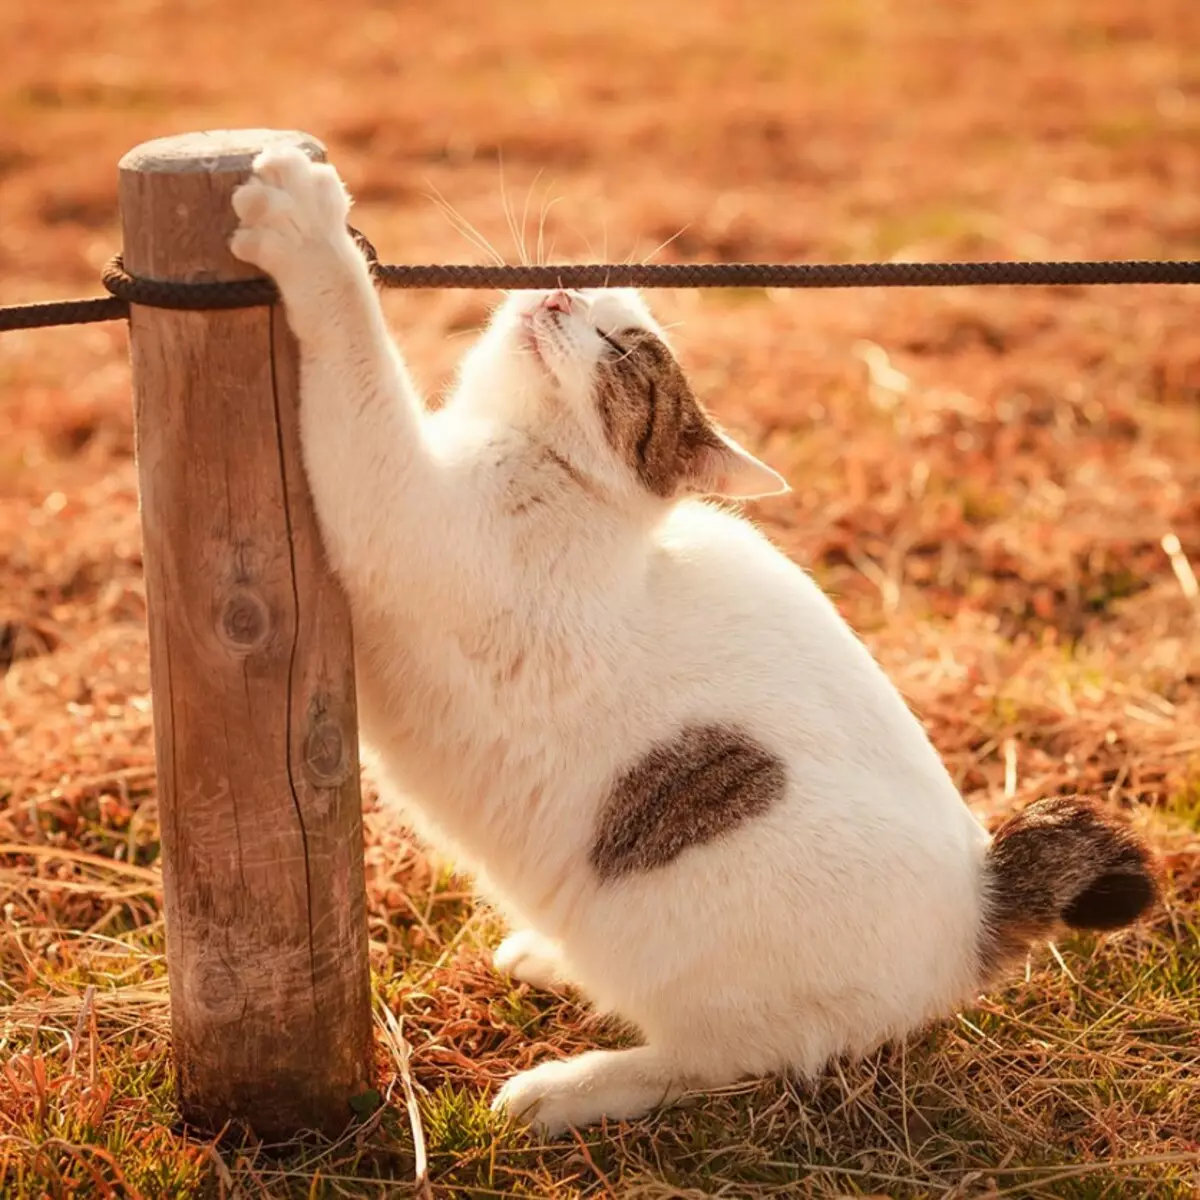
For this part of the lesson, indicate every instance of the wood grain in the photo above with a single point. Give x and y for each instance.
(253, 682)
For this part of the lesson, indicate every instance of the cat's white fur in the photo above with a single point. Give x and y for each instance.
(521, 640)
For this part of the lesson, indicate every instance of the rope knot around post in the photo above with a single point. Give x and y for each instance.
(198, 296)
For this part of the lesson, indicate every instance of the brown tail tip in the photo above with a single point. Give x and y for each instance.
(1062, 861)
(1118, 897)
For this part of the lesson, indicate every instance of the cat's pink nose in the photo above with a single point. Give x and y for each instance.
(557, 302)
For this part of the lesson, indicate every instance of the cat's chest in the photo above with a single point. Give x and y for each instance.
(441, 695)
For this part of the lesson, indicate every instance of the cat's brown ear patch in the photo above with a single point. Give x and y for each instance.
(654, 421)
(704, 783)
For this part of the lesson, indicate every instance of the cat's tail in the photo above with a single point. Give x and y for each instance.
(1060, 862)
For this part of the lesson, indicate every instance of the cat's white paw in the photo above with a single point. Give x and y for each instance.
(530, 958)
(544, 1099)
(291, 212)
(617, 1084)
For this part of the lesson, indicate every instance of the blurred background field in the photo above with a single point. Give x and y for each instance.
(1000, 488)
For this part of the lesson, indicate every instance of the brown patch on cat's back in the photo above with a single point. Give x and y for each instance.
(702, 784)
(651, 416)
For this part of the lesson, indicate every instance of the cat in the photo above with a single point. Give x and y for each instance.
(650, 736)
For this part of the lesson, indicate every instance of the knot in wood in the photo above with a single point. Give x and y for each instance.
(216, 989)
(326, 761)
(244, 625)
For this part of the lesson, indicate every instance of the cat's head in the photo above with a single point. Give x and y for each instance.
(594, 366)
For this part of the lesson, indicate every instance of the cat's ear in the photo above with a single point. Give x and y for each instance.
(720, 467)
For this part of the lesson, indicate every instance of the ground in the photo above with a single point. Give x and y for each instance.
(1001, 489)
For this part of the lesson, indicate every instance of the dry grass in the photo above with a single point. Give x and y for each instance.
(1001, 489)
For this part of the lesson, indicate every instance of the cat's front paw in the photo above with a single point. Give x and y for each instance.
(291, 213)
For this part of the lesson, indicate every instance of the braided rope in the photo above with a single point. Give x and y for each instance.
(157, 293)
(62, 312)
(788, 275)
(125, 289)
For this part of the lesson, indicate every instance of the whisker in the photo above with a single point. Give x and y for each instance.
(541, 241)
(583, 237)
(663, 245)
(625, 353)
(458, 220)
(509, 216)
(525, 213)
(468, 332)
(463, 226)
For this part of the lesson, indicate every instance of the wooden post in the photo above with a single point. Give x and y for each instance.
(253, 678)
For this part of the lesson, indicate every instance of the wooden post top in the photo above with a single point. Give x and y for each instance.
(176, 201)
(215, 150)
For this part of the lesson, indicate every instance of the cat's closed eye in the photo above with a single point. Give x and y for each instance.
(612, 341)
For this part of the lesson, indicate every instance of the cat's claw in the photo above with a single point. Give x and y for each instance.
(291, 211)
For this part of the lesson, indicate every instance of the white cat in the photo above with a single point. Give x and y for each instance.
(664, 755)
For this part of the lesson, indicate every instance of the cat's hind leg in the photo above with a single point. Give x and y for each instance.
(530, 958)
(617, 1084)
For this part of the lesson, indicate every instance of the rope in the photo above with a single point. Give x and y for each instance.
(788, 275)
(125, 289)
(157, 293)
(62, 312)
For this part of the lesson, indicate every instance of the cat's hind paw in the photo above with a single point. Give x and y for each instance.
(617, 1084)
(530, 958)
(290, 211)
